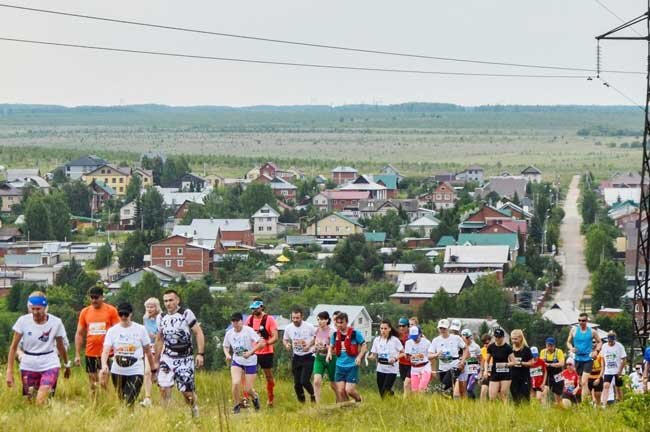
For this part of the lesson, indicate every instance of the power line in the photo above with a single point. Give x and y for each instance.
(309, 44)
(283, 63)
(609, 85)
(604, 6)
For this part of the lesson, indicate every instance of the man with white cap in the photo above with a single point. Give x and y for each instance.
(448, 353)
(614, 357)
(265, 326)
(416, 350)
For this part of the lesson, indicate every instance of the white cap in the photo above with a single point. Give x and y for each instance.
(455, 325)
(443, 323)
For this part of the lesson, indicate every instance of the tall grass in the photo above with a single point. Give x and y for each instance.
(73, 410)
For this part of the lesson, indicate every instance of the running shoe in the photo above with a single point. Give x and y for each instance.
(256, 403)
(146, 402)
(312, 398)
(195, 411)
(244, 403)
(236, 409)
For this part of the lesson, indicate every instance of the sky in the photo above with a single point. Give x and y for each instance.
(551, 32)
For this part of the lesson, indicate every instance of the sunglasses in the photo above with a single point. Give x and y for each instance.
(402, 325)
(123, 314)
(94, 297)
(582, 320)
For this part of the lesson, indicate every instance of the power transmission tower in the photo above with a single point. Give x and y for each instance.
(640, 321)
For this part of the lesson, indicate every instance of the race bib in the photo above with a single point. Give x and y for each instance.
(96, 328)
(473, 368)
(418, 358)
(558, 378)
(501, 368)
(610, 361)
(536, 372)
(239, 350)
(383, 358)
(299, 345)
(126, 350)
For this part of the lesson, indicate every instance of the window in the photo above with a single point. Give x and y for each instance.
(446, 197)
(113, 180)
(127, 212)
(179, 251)
(121, 179)
(259, 228)
(285, 193)
(360, 320)
(121, 188)
(268, 228)
(103, 171)
(168, 251)
(268, 219)
(179, 263)
(338, 229)
(404, 301)
(168, 263)
(438, 196)
(636, 308)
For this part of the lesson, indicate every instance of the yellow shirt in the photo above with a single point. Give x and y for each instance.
(548, 356)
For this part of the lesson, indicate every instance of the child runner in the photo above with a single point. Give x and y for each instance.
(537, 376)
(571, 380)
(416, 349)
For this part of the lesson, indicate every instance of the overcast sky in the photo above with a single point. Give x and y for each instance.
(550, 32)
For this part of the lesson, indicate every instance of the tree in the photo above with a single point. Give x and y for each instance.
(18, 294)
(133, 252)
(58, 177)
(152, 209)
(485, 298)
(104, 256)
(448, 226)
(255, 196)
(589, 205)
(354, 259)
(608, 286)
(518, 275)
(37, 224)
(599, 246)
(441, 305)
(77, 282)
(58, 216)
(78, 196)
(47, 217)
(133, 189)
(154, 164)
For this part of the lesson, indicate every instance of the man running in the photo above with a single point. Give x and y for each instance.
(580, 342)
(349, 346)
(299, 339)
(554, 359)
(266, 326)
(94, 322)
(444, 354)
(614, 357)
(404, 362)
(174, 351)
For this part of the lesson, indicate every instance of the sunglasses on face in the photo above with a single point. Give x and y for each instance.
(582, 320)
(94, 297)
(123, 314)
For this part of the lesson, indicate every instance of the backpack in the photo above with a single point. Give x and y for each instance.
(351, 349)
(262, 330)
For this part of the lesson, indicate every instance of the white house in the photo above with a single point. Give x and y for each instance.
(618, 195)
(533, 174)
(127, 214)
(358, 317)
(415, 288)
(424, 225)
(265, 222)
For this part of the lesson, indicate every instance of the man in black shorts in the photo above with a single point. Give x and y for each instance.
(267, 328)
(404, 362)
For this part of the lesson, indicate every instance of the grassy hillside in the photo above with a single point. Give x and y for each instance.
(71, 410)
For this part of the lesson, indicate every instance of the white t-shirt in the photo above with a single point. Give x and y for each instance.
(386, 350)
(449, 349)
(301, 338)
(39, 339)
(418, 354)
(240, 342)
(613, 357)
(127, 342)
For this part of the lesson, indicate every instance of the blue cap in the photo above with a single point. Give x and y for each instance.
(414, 332)
(257, 304)
(534, 351)
(550, 341)
(403, 321)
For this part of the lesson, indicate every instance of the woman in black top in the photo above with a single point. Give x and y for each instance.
(499, 354)
(520, 372)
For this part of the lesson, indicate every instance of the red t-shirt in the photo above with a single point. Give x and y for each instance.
(404, 360)
(571, 381)
(270, 326)
(537, 373)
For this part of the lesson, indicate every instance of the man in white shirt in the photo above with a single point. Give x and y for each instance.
(298, 339)
(614, 358)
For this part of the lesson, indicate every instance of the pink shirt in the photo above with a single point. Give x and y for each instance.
(322, 340)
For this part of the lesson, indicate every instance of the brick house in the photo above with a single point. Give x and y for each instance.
(283, 189)
(10, 196)
(100, 193)
(363, 183)
(444, 196)
(213, 233)
(181, 254)
(338, 200)
(234, 237)
(182, 210)
(343, 174)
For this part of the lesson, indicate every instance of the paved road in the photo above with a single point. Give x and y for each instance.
(571, 257)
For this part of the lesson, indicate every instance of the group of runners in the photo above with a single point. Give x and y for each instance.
(161, 349)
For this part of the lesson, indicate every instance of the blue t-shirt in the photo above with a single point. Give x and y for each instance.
(646, 354)
(345, 360)
(151, 324)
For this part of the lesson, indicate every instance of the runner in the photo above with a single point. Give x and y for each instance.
(321, 366)
(570, 384)
(94, 322)
(448, 353)
(537, 376)
(486, 339)
(417, 347)
(150, 321)
(386, 349)
(636, 377)
(595, 383)
(520, 367)
(455, 326)
(299, 340)
(614, 357)
(646, 366)
(349, 346)
(130, 342)
(174, 351)
(580, 343)
(243, 342)
(404, 362)
(499, 354)
(469, 377)
(42, 337)
(554, 359)
(266, 326)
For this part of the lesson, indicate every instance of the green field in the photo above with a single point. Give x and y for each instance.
(418, 140)
(71, 410)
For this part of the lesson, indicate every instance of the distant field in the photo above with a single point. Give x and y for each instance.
(230, 141)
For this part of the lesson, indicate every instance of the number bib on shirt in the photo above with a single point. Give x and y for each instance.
(96, 328)
(558, 378)
(536, 372)
(502, 368)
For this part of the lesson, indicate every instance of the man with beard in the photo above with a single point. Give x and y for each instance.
(267, 328)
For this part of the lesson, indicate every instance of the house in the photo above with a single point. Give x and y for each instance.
(218, 234)
(445, 241)
(271, 170)
(146, 176)
(512, 209)
(9, 196)
(473, 173)
(418, 242)
(467, 259)
(252, 174)
(165, 276)
(77, 168)
(363, 183)
(128, 215)
(618, 195)
(504, 186)
(532, 174)
(378, 238)
(338, 200)
(424, 225)
(623, 213)
(394, 270)
(189, 182)
(100, 193)
(9, 235)
(265, 222)
(390, 169)
(486, 215)
(118, 178)
(183, 255)
(334, 225)
(444, 196)
(369, 208)
(358, 317)
(444, 176)
(390, 181)
(413, 289)
(18, 173)
(272, 272)
(477, 239)
(182, 211)
(343, 174)
(27, 177)
(625, 180)
(283, 189)
(174, 199)
(214, 181)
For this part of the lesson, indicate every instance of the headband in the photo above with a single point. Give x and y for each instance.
(37, 301)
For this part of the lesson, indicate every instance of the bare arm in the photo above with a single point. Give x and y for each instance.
(362, 352)
(569, 340)
(150, 358)
(273, 338)
(158, 346)
(78, 343)
(200, 344)
(105, 352)
(12, 358)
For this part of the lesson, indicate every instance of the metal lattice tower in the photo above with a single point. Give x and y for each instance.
(640, 320)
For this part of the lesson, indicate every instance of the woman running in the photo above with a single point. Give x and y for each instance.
(468, 379)
(499, 354)
(416, 349)
(520, 367)
(386, 349)
(42, 337)
(150, 321)
(321, 366)
(554, 359)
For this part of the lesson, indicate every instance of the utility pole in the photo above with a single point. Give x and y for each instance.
(642, 270)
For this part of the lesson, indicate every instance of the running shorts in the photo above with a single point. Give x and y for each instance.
(595, 387)
(618, 380)
(178, 370)
(404, 371)
(347, 374)
(265, 361)
(321, 367)
(37, 379)
(584, 366)
(248, 370)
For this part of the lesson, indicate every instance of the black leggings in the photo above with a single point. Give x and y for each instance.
(302, 367)
(128, 387)
(385, 383)
(520, 390)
